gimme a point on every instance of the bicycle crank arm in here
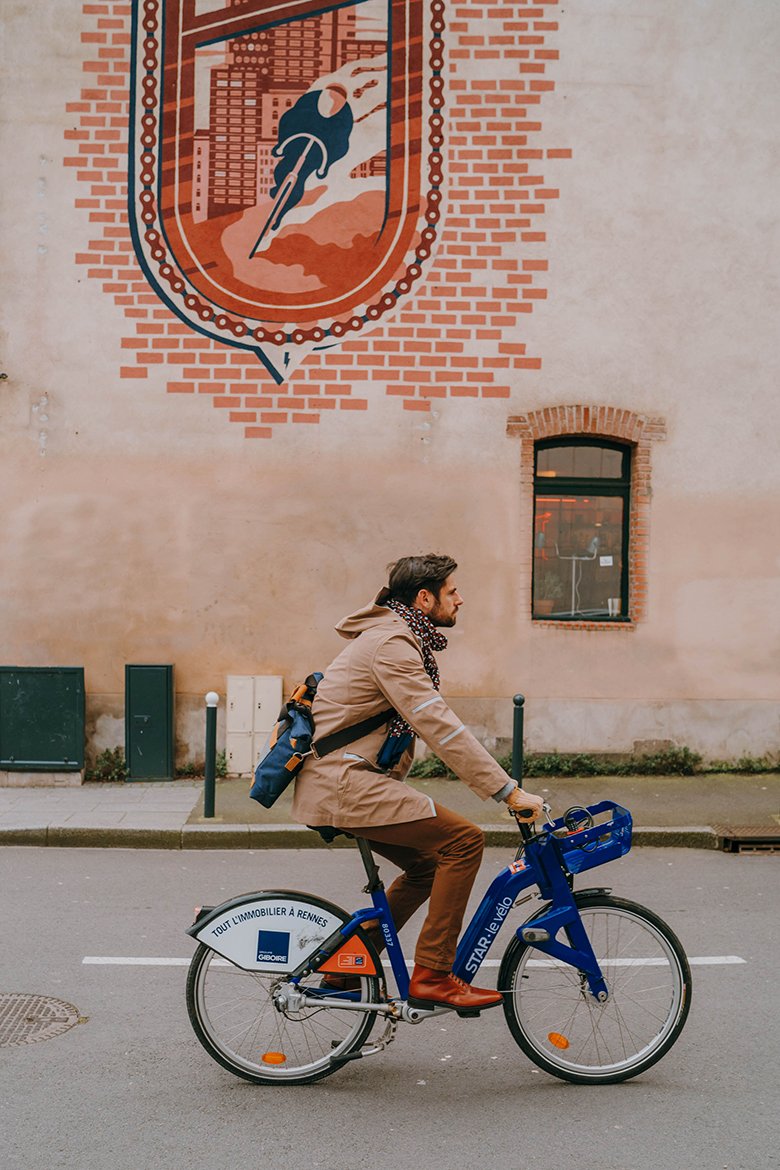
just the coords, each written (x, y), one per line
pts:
(379, 1045)
(415, 1015)
(345, 1056)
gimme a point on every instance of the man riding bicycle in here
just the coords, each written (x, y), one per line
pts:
(389, 662)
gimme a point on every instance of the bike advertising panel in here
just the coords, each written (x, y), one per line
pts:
(272, 934)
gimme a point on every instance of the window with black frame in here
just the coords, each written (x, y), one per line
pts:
(581, 509)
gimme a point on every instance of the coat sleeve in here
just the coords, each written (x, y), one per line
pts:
(402, 679)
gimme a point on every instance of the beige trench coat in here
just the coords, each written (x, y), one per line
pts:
(382, 667)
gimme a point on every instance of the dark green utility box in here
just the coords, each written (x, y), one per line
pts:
(42, 718)
(149, 729)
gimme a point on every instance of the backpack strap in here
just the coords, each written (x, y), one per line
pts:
(331, 743)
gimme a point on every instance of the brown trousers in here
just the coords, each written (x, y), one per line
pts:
(439, 857)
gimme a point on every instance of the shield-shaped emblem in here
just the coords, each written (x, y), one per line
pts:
(285, 164)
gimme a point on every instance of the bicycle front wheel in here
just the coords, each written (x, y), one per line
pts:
(565, 1031)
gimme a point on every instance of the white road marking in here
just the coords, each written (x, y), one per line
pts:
(139, 961)
(130, 961)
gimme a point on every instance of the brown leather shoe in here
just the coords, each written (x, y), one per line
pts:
(430, 989)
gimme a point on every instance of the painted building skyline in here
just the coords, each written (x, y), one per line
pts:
(264, 74)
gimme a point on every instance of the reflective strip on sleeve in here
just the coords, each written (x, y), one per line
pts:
(452, 734)
(427, 703)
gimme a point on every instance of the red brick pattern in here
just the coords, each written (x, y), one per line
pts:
(608, 422)
(457, 334)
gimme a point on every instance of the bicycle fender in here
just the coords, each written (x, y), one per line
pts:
(270, 930)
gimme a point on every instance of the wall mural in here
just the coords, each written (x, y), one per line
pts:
(274, 171)
(285, 164)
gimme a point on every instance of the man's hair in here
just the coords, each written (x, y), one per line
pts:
(409, 575)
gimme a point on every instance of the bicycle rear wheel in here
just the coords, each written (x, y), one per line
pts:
(565, 1031)
(252, 1022)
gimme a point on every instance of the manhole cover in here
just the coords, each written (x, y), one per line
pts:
(25, 1019)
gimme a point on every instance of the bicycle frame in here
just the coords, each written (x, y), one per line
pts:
(541, 865)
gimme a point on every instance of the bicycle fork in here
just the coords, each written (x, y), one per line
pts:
(579, 954)
(564, 915)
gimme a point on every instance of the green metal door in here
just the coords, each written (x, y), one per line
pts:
(42, 718)
(149, 730)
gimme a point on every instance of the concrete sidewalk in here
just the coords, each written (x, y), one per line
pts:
(667, 810)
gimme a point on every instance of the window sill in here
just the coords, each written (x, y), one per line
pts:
(584, 623)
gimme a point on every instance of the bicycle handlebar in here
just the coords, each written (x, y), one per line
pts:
(526, 830)
(526, 827)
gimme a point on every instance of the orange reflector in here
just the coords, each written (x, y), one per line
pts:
(558, 1040)
(273, 1058)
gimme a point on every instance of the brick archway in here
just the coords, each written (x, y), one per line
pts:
(607, 422)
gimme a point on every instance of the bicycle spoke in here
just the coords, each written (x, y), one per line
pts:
(560, 1024)
(263, 1029)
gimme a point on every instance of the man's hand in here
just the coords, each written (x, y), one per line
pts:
(519, 800)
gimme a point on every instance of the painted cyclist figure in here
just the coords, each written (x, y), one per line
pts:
(313, 134)
(390, 659)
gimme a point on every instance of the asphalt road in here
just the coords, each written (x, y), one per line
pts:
(131, 1087)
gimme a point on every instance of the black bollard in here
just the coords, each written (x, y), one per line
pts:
(517, 738)
(210, 777)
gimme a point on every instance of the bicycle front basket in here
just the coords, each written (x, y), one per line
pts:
(603, 841)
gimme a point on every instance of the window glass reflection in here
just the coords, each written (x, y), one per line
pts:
(581, 461)
(578, 555)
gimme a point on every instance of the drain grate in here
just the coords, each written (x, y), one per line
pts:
(25, 1019)
(748, 838)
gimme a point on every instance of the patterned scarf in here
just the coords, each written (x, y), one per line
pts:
(430, 639)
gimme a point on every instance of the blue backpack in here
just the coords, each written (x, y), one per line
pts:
(292, 742)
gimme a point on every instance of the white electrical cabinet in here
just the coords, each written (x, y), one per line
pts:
(253, 705)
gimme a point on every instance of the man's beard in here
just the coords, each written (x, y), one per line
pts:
(441, 620)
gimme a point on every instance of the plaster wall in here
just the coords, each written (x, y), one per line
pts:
(140, 525)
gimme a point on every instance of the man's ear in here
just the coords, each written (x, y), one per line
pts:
(424, 601)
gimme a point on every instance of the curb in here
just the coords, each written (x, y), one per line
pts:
(290, 837)
(690, 837)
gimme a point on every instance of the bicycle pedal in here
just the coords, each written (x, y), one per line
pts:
(427, 1005)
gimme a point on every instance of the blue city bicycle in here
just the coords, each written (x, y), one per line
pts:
(596, 988)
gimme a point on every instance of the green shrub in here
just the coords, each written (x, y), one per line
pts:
(197, 768)
(669, 762)
(428, 768)
(559, 764)
(190, 768)
(751, 765)
(109, 765)
(673, 761)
